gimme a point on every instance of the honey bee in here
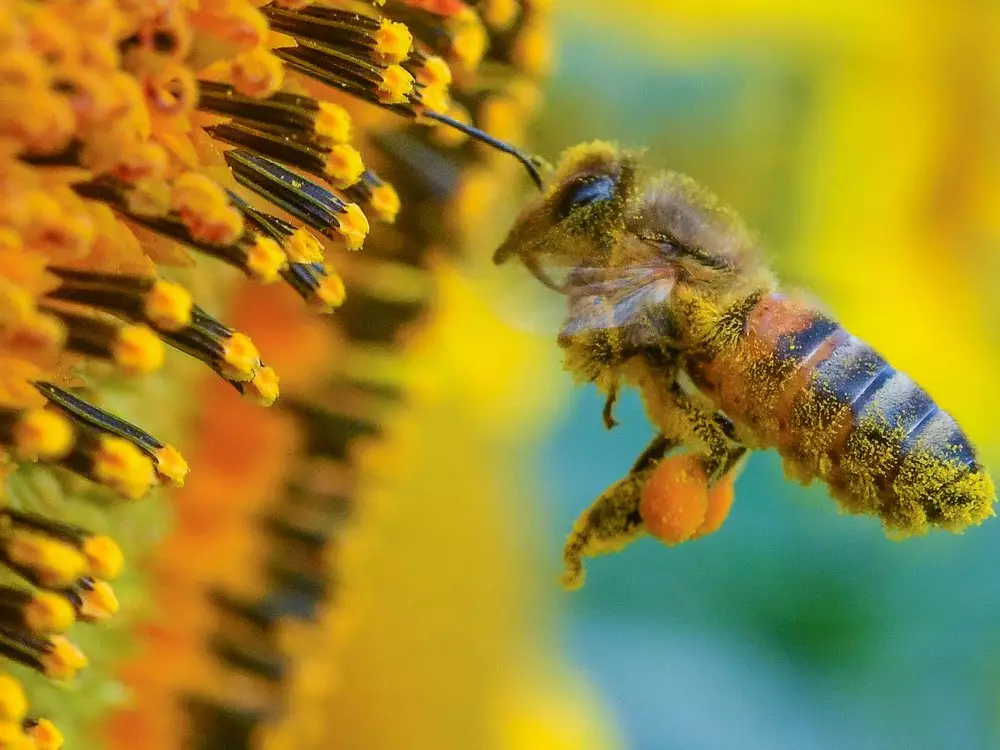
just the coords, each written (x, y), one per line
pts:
(667, 292)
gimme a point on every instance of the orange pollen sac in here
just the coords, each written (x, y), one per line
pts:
(45, 735)
(63, 659)
(55, 564)
(170, 465)
(42, 434)
(674, 500)
(257, 73)
(303, 247)
(205, 210)
(98, 603)
(48, 613)
(263, 389)
(435, 97)
(344, 165)
(265, 260)
(393, 42)
(240, 358)
(329, 294)
(333, 122)
(353, 226)
(434, 71)
(123, 467)
(137, 350)
(104, 557)
(396, 85)
(168, 306)
(385, 202)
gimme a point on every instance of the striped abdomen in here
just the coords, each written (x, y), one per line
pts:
(835, 409)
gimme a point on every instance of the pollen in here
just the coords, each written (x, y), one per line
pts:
(13, 703)
(353, 226)
(263, 389)
(104, 557)
(393, 42)
(501, 14)
(265, 259)
(434, 72)
(170, 465)
(62, 659)
(98, 602)
(469, 40)
(674, 499)
(257, 73)
(168, 306)
(720, 502)
(435, 98)
(385, 202)
(42, 434)
(303, 247)
(240, 358)
(52, 563)
(329, 293)
(123, 467)
(205, 210)
(48, 613)
(343, 165)
(333, 122)
(396, 85)
(45, 735)
(137, 350)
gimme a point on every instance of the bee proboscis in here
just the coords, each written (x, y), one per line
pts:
(668, 292)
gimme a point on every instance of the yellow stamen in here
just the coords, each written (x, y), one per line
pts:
(393, 42)
(469, 39)
(170, 465)
(501, 14)
(104, 557)
(257, 73)
(13, 703)
(396, 85)
(265, 260)
(12, 737)
(434, 71)
(240, 357)
(435, 98)
(333, 122)
(304, 247)
(55, 564)
(343, 165)
(329, 293)
(168, 306)
(123, 467)
(137, 350)
(533, 50)
(42, 434)
(48, 613)
(385, 202)
(353, 226)
(99, 602)
(64, 660)
(46, 735)
(263, 389)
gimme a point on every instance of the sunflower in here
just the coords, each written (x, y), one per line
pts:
(159, 160)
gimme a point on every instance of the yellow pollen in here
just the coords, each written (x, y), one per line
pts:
(435, 98)
(99, 603)
(385, 203)
(329, 293)
(434, 71)
(46, 735)
(501, 14)
(265, 259)
(344, 166)
(304, 247)
(396, 85)
(240, 358)
(257, 73)
(42, 434)
(137, 350)
(104, 557)
(469, 40)
(393, 42)
(12, 737)
(64, 659)
(333, 122)
(168, 306)
(13, 703)
(170, 465)
(123, 467)
(56, 564)
(263, 389)
(353, 226)
(48, 613)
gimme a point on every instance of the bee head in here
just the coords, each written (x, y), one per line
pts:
(577, 217)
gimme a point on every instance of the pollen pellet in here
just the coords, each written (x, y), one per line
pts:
(674, 500)
(720, 501)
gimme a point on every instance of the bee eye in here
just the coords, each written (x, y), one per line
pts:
(585, 191)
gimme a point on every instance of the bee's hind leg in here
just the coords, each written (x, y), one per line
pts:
(613, 520)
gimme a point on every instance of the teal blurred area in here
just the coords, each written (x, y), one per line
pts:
(795, 626)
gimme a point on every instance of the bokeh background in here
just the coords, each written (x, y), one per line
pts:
(861, 140)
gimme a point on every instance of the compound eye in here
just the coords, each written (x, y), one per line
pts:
(587, 190)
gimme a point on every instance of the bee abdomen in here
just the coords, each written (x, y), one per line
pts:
(879, 440)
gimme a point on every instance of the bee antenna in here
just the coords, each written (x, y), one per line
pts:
(532, 163)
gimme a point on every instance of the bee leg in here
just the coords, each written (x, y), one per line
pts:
(609, 408)
(613, 520)
(715, 431)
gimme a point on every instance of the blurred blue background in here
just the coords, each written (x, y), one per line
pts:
(862, 143)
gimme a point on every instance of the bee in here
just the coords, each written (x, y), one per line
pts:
(667, 292)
